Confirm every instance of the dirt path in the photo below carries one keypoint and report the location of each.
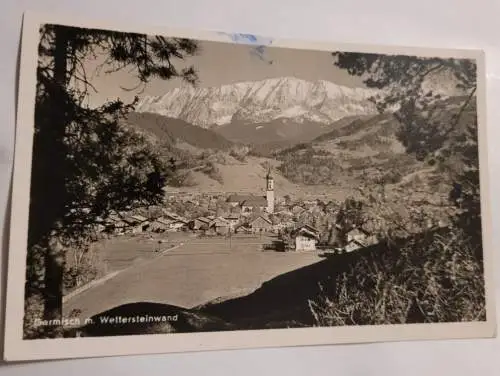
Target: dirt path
(190, 275)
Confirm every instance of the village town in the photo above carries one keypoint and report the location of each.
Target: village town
(287, 222)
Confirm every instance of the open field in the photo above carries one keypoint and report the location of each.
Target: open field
(192, 274)
(122, 251)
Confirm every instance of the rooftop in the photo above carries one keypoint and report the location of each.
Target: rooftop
(247, 200)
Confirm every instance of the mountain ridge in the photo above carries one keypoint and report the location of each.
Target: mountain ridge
(261, 101)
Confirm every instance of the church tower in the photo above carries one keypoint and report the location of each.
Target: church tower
(270, 192)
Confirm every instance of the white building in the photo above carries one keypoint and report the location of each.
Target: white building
(353, 245)
(306, 238)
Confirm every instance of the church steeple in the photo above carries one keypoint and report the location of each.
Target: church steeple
(269, 181)
(270, 191)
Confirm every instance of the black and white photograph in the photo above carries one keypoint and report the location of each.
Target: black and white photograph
(229, 183)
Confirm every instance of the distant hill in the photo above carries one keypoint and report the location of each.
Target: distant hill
(192, 149)
(371, 151)
(171, 130)
(279, 133)
(275, 131)
(382, 125)
(248, 176)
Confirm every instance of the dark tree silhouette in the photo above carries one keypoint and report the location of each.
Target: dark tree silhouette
(402, 79)
(86, 161)
(427, 130)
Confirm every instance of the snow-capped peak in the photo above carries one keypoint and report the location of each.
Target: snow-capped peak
(261, 101)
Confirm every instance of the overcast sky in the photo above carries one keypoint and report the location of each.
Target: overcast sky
(221, 63)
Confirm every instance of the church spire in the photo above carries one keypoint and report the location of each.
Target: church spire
(270, 191)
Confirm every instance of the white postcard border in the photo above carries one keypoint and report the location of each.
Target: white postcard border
(15, 348)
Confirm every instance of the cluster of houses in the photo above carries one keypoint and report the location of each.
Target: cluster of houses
(120, 223)
(307, 238)
(232, 224)
(250, 214)
(302, 237)
(123, 223)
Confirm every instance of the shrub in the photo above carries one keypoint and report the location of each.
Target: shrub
(33, 310)
(83, 265)
(433, 277)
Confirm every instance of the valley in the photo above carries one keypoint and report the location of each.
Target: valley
(225, 140)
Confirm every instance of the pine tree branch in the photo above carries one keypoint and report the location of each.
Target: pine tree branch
(458, 116)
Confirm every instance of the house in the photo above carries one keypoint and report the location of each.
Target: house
(116, 216)
(115, 224)
(233, 220)
(220, 226)
(138, 218)
(177, 225)
(353, 245)
(248, 203)
(174, 220)
(363, 236)
(242, 228)
(357, 233)
(160, 225)
(306, 238)
(137, 223)
(359, 238)
(171, 215)
(200, 223)
(260, 224)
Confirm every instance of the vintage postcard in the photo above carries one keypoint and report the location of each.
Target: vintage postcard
(180, 191)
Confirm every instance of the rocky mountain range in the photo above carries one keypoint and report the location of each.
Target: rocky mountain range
(285, 98)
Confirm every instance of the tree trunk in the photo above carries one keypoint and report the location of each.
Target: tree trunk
(54, 257)
(54, 268)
